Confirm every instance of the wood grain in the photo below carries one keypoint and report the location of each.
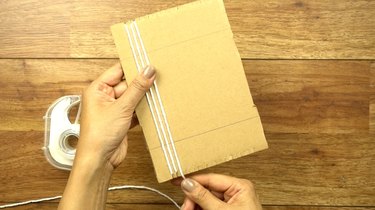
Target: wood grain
(338, 29)
(311, 96)
(315, 114)
(47, 206)
(314, 208)
(318, 115)
(372, 98)
(292, 96)
(34, 28)
(28, 87)
(298, 169)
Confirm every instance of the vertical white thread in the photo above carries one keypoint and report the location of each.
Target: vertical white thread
(149, 102)
(130, 39)
(154, 101)
(160, 103)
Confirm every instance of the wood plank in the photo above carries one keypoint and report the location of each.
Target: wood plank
(324, 161)
(117, 206)
(314, 208)
(298, 169)
(338, 29)
(372, 99)
(48, 206)
(34, 28)
(292, 96)
(303, 29)
(311, 96)
(29, 87)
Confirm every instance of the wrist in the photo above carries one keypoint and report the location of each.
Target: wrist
(90, 153)
(91, 168)
(91, 164)
(88, 183)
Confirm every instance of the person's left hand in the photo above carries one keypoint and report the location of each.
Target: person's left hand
(108, 106)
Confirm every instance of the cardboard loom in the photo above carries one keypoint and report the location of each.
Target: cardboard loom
(202, 85)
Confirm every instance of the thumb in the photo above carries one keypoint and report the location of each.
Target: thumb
(200, 195)
(137, 88)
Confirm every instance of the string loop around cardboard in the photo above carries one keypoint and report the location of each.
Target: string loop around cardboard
(155, 103)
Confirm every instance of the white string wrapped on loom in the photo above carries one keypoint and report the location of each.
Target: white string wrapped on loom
(144, 62)
(154, 102)
(109, 189)
(161, 105)
(150, 104)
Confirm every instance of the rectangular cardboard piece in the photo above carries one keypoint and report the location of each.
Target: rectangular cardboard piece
(202, 85)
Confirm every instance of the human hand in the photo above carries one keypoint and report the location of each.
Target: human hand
(107, 113)
(108, 106)
(218, 192)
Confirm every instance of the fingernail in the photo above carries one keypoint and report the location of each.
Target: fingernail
(188, 185)
(149, 72)
(182, 207)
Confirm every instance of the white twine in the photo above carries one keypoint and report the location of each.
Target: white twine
(150, 104)
(29, 202)
(122, 187)
(161, 105)
(144, 60)
(154, 101)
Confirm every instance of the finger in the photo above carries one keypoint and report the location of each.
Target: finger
(112, 76)
(177, 181)
(188, 204)
(104, 88)
(217, 182)
(120, 88)
(137, 89)
(227, 185)
(200, 195)
(218, 195)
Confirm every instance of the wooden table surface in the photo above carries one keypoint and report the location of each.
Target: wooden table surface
(310, 66)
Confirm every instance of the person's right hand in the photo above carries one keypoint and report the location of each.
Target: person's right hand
(218, 192)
